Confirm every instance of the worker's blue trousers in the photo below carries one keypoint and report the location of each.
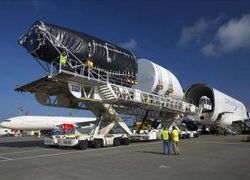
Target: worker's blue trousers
(166, 147)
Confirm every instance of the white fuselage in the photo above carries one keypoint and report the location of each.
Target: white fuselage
(225, 109)
(228, 108)
(41, 122)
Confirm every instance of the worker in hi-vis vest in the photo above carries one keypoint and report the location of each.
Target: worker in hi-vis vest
(175, 141)
(166, 141)
(89, 64)
(63, 58)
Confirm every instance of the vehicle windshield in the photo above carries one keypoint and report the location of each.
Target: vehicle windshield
(56, 132)
(79, 130)
(7, 120)
(69, 131)
(75, 130)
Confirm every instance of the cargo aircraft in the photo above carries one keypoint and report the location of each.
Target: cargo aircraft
(215, 106)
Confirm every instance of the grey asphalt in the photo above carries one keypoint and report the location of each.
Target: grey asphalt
(206, 157)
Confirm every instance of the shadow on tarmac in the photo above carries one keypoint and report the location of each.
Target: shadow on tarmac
(150, 152)
(22, 144)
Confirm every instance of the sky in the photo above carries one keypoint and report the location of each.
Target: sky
(206, 41)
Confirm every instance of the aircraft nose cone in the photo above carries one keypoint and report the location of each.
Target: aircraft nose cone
(4, 124)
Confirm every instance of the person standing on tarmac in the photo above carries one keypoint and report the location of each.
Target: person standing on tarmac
(166, 143)
(175, 141)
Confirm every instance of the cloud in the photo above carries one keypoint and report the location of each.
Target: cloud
(131, 44)
(195, 33)
(231, 36)
(209, 49)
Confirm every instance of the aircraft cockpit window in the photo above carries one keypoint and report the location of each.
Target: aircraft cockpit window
(7, 120)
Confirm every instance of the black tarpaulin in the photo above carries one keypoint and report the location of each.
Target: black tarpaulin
(104, 54)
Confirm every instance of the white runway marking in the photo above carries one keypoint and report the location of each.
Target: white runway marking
(5, 158)
(39, 156)
(212, 142)
(164, 167)
(18, 152)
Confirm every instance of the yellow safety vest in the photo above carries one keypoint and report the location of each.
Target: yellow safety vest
(63, 59)
(175, 135)
(164, 135)
(89, 64)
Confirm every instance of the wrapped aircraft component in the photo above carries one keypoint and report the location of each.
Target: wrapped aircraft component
(44, 40)
(155, 79)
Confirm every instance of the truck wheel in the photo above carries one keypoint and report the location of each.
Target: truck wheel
(117, 142)
(125, 141)
(97, 143)
(83, 145)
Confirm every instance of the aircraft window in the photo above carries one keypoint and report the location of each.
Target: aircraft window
(7, 120)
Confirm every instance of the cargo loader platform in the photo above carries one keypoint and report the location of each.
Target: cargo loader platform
(106, 91)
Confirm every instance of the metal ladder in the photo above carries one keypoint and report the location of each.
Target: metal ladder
(108, 92)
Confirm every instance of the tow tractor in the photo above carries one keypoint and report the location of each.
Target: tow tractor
(82, 139)
(57, 134)
(146, 135)
(144, 130)
(183, 132)
(52, 139)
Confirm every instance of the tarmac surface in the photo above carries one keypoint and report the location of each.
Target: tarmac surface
(206, 157)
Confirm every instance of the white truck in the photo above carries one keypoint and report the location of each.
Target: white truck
(83, 141)
(146, 135)
(52, 139)
(58, 133)
(185, 134)
(82, 138)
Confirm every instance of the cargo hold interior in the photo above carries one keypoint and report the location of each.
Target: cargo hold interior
(195, 92)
